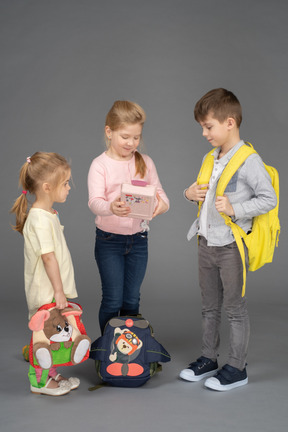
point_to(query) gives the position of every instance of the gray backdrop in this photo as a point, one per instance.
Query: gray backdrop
(63, 64)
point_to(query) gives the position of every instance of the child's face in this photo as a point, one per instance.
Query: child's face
(62, 191)
(124, 141)
(215, 132)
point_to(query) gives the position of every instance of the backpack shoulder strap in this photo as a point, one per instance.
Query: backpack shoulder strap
(233, 165)
(206, 169)
(205, 173)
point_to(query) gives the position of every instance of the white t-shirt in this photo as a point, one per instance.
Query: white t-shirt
(43, 234)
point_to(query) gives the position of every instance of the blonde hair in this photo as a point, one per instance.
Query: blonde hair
(221, 104)
(122, 113)
(40, 168)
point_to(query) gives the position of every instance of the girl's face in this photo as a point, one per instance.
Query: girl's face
(123, 141)
(62, 191)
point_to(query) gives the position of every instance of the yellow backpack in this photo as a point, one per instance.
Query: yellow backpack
(265, 231)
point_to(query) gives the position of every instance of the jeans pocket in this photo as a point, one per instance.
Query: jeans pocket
(103, 235)
(143, 235)
(231, 245)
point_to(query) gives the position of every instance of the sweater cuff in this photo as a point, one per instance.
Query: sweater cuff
(184, 194)
(238, 211)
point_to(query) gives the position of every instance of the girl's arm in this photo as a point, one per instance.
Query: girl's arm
(162, 206)
(97, 190)
(163, 200)
(52, 269)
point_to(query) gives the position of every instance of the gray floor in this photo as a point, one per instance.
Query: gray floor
(165, 403)
(63, 63)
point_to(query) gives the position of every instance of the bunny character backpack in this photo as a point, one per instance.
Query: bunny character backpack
(59, 337)
(127, 354)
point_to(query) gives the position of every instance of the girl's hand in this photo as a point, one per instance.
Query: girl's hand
(60, 300)
(197, 192)
(162, 207)
(223, 205)
(119, 208)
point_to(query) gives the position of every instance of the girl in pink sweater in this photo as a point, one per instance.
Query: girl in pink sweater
(121, 249)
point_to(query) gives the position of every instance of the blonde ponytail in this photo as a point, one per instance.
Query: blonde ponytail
(37, 169)
(140, 164)
(20, 208)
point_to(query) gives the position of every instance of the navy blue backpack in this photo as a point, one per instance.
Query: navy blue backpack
(127, 354)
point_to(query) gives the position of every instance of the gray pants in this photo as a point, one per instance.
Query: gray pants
(221, 279)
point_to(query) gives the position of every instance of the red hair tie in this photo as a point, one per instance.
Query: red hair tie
(24, 192)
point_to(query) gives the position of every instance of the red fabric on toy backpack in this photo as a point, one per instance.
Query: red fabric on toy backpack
(59, 337)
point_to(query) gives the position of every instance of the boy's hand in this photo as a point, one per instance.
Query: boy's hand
(162, 207)
(119, 208)
(223, 205)
(197, 192)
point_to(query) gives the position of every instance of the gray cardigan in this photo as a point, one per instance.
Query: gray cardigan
(250, 192)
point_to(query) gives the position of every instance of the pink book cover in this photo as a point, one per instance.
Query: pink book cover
(140, 199)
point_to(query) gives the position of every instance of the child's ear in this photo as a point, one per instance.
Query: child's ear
(230, 122)
(108, 132)
(46, 187)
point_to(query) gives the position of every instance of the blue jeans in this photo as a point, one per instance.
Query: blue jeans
(221, 279)
(122, 262)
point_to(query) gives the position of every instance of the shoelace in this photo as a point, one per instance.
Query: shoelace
(199, 363)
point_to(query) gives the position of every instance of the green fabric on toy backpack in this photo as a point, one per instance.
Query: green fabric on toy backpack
(33, 379)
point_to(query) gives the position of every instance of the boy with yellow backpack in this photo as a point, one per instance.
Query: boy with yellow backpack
(237, 228)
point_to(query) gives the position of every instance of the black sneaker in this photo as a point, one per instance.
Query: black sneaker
(202, 368)
(227, 378)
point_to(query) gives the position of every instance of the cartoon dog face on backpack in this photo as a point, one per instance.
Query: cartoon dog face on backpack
(52, 331)
(57, 327)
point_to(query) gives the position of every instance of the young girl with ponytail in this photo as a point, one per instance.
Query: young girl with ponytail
(121, 249)
(48, 267)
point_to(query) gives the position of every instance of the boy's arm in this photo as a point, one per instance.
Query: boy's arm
(264, 197)
(52, 269)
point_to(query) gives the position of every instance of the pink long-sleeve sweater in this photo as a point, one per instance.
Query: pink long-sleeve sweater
(105, 178)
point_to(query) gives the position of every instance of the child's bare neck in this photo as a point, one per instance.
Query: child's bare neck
(225, 148)
(43, 205)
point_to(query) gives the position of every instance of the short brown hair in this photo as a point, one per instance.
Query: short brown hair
(221, 104)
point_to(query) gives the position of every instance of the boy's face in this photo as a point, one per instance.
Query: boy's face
(215, 132)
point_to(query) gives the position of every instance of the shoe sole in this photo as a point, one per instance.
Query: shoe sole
(186, 375)
(47, 391)
(214, 384)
